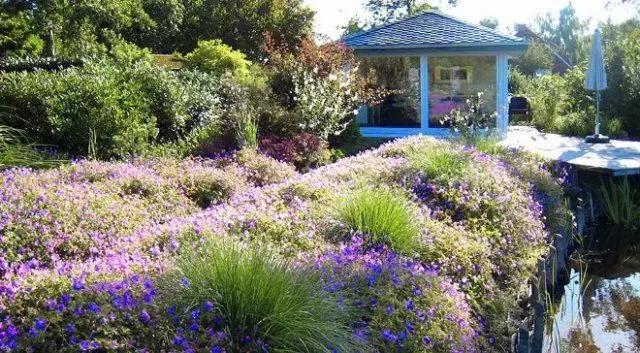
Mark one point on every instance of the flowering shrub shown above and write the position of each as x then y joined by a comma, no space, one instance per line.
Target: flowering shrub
304,150
99,245
405,305
319,85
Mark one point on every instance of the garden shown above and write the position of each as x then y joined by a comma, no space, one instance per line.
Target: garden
227,202
419,245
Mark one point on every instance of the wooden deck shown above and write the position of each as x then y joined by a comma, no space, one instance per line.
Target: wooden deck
617,158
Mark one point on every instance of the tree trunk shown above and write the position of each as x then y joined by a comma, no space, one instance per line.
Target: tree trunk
49,44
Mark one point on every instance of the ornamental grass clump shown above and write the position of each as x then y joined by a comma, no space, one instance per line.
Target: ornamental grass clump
383,216
441,162
263,297
621,202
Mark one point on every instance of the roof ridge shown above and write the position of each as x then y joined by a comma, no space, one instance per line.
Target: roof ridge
437,13
370,30
475,25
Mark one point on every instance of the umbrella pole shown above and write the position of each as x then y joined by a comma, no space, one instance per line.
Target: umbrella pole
598,97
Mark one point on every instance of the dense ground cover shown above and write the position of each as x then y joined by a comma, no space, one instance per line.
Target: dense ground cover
243,254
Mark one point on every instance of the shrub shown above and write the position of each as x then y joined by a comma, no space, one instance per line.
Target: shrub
33,64
263,170
209,186
381,216
404,305
576,124
304,150
246,131
315,87
263,297
122,109
217,58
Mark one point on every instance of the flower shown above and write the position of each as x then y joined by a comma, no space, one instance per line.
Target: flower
40,324
144,317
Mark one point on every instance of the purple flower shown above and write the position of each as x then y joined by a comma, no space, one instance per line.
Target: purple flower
77,285
195,314
185,283
409,305
144,317
387,335
208,306
93,307
40,324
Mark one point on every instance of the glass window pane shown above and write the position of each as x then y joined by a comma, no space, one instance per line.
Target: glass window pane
453,80
393,84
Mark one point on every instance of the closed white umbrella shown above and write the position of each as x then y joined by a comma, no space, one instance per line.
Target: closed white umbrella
596,80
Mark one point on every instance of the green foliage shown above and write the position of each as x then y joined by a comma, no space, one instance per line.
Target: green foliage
622,50
263,170
121,108
15,153
89,28
245,23
489,22
16,37
246,131
564,32
15,64
262,296
215,57
383,216
387,11
621,202
538,56
440,162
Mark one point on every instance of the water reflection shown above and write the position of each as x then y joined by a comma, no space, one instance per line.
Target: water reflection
600,308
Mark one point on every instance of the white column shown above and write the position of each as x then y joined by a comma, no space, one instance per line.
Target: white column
502,91
424,93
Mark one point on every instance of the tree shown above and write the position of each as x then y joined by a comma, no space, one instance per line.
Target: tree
565,33
62,22
16,36
386,11
490,22
245,23
537,57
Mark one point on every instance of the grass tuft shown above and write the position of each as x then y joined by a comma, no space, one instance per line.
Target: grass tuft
621,202
15,153
263,296
441,162
383,216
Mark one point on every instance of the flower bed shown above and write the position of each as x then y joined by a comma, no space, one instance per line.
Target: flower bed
92,253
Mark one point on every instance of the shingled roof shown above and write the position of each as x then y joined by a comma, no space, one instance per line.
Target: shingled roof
431,29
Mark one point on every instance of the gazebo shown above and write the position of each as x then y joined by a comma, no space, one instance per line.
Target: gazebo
421,68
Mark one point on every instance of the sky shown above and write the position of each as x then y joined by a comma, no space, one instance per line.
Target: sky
331,14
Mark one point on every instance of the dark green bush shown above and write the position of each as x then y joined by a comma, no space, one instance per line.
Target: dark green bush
118,109
32,64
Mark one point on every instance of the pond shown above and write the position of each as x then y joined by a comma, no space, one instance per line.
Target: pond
599,310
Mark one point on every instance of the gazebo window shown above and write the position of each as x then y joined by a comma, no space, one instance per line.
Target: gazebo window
394,92
455,79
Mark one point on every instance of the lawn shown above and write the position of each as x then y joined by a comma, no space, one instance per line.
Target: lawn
418,245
